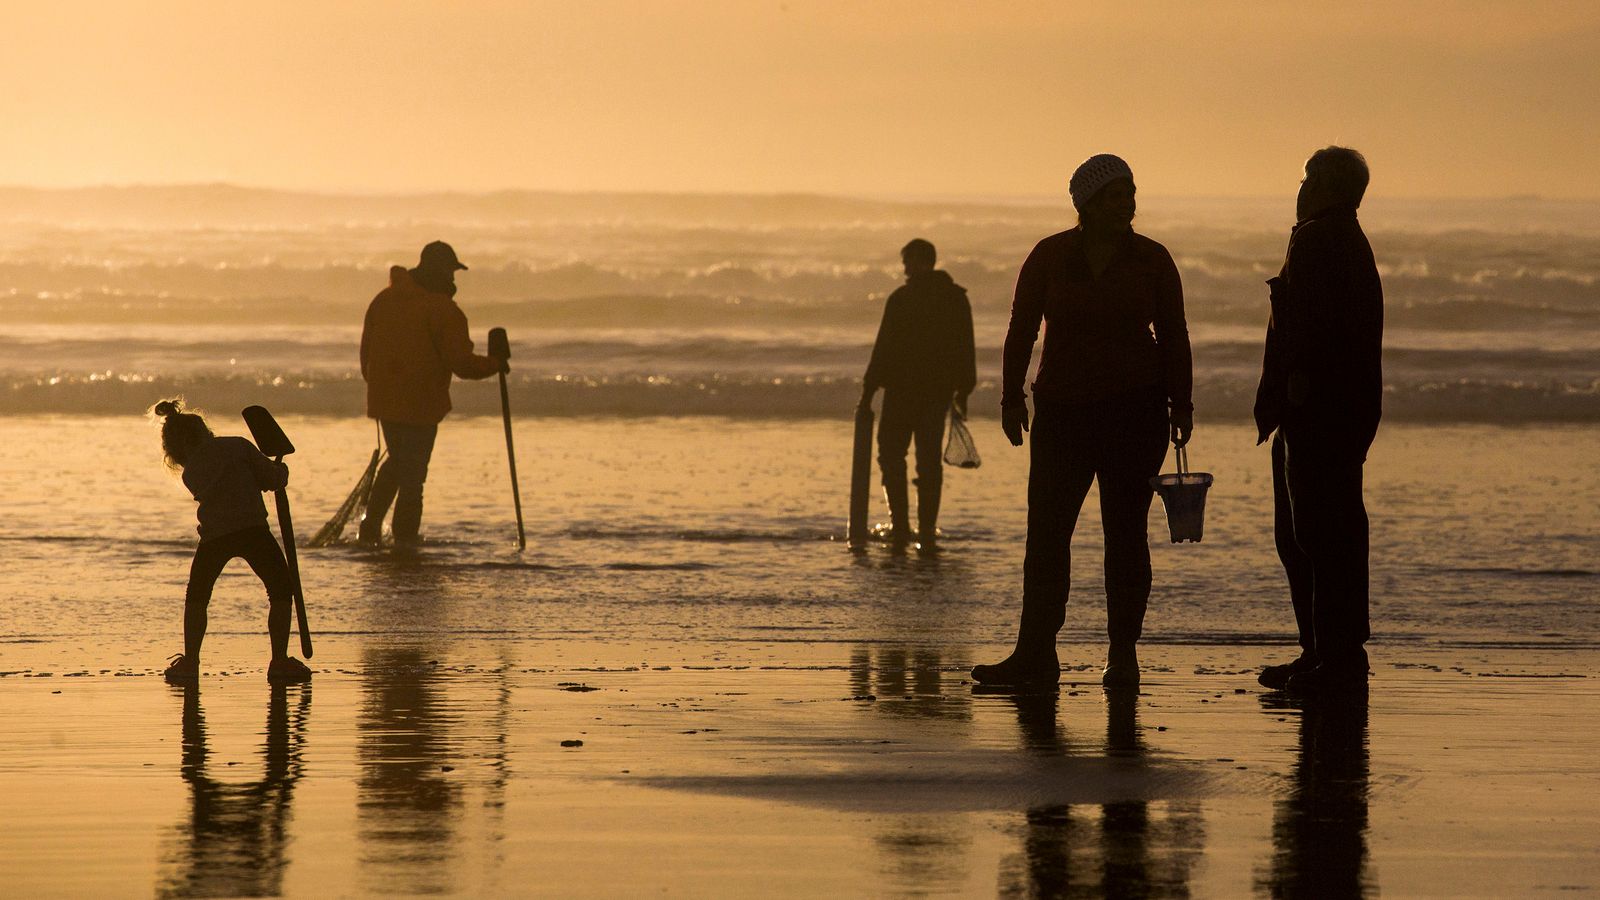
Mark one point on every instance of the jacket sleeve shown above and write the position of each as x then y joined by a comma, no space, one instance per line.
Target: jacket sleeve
269,475
1027,311
366,335
882,348
967,350
455,347
1172,337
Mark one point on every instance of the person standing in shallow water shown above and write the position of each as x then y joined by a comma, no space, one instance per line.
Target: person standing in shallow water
1113,386
227,475
1321,391
413,340
924,361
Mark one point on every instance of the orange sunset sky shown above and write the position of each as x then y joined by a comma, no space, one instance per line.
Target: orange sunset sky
1462,98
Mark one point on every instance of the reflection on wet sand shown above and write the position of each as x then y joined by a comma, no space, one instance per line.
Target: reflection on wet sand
407,801
913,678
1319,830
1128,852
235,840
921,852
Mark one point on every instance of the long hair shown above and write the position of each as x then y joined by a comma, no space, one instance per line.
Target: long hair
180,431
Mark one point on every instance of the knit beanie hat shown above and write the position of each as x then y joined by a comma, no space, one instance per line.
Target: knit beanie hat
1096,172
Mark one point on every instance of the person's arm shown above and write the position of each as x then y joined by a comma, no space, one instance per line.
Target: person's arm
366,337
455,346
1312,325
269,475
1172,343
968,356
882,349
1027,312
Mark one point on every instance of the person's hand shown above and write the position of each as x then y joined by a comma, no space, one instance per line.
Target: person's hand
865,403
284,468
1014,421
1182,427
959,406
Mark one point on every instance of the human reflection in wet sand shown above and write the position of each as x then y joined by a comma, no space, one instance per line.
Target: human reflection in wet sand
1127,853
235,840
923,852
1319,831
408,804
908,681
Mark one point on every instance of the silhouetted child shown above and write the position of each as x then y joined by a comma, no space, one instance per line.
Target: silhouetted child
227,475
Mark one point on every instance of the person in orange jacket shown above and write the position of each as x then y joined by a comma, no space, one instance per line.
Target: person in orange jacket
414,339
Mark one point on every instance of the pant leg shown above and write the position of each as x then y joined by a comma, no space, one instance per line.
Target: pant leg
1134,444
1060,471
410,451
895,428
1330,525
261,551
1296,563
209,559
929,433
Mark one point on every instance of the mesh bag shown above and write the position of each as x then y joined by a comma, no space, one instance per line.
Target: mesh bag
329,533
959,450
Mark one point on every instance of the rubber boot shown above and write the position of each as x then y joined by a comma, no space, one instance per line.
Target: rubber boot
1122,667
899,514
1034,661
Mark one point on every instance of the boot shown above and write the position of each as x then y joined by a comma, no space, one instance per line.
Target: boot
1034,661
899,514
1122,667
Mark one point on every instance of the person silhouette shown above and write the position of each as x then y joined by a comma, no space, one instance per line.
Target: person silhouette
1321,391
413,339
924,360
227,475
1113,386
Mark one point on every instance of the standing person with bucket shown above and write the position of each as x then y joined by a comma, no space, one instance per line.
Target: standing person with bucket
925,363
1322,393
413,340
1113,386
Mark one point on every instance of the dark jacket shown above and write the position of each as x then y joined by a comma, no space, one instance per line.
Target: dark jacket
1104,337
412,342
925,340
1322,368
226,475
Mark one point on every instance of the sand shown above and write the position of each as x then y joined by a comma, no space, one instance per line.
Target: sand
792,769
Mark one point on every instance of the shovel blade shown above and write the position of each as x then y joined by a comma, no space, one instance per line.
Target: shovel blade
269,437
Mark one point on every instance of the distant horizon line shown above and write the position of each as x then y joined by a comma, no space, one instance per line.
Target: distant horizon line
934,197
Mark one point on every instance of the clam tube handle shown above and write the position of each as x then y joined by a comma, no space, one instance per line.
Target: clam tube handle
1182,456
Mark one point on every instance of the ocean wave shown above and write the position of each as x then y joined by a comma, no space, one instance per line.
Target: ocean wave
1219,396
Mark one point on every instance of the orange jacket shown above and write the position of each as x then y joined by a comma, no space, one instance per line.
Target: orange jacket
411,343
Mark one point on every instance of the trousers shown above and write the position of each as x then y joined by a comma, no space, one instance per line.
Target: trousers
1320,528
400,480
1120,442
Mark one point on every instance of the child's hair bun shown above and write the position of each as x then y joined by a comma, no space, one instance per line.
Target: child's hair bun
167,408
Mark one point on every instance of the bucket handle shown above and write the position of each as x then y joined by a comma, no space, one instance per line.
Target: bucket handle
1182,456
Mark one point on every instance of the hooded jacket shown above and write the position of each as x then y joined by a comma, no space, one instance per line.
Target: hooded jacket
413,340
925,342
1322,368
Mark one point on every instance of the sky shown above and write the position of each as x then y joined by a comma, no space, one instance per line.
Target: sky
1459,98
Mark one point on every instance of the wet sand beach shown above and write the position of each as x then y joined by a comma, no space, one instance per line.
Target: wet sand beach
794,769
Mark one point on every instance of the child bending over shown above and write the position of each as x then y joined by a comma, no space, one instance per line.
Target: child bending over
227,475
